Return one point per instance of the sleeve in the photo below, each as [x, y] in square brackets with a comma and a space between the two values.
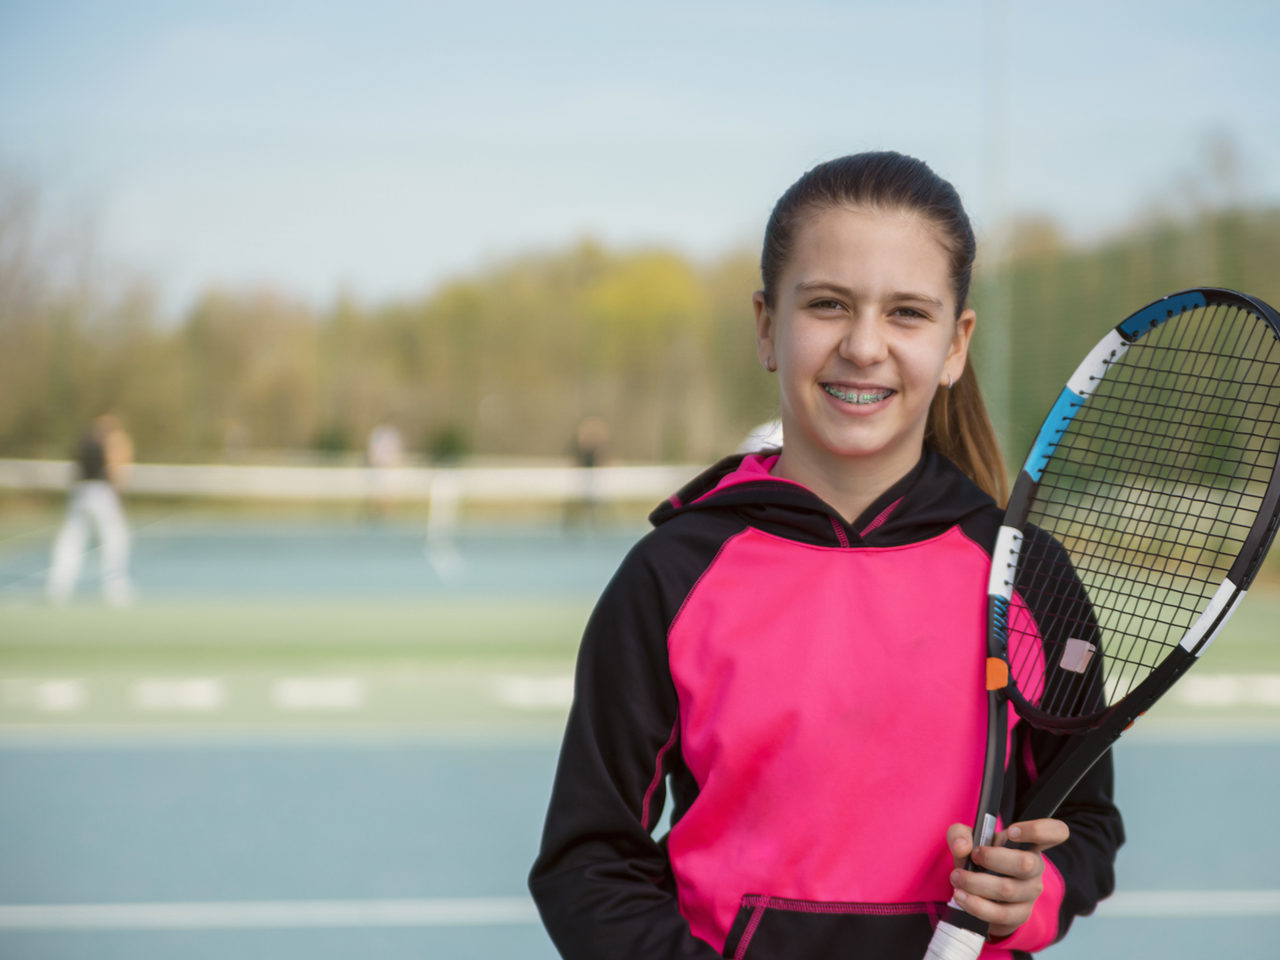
[1080, 872]
[602, 884]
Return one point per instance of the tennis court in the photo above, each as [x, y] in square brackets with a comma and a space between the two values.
[315, 737]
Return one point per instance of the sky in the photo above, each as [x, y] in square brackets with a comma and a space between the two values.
[380, 148]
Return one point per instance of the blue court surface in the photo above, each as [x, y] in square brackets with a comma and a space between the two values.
[244, 559]
[316, 739]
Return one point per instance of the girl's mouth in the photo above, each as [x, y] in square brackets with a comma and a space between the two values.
[858, 397]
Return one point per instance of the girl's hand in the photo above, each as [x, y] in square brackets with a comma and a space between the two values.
[1005, 896]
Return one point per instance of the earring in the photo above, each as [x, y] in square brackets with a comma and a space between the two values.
[949, 381]
[770, 365]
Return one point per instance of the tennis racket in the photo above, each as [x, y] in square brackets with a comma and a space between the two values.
[1143, 512]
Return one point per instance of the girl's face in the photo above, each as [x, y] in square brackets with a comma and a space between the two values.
[863, 332]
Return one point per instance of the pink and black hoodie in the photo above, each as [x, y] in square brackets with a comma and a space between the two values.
[813, 690]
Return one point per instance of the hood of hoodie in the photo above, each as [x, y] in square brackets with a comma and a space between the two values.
[933, 497]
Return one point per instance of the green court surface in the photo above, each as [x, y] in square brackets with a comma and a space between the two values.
[441, 662]
[306, 622]
[445, 663]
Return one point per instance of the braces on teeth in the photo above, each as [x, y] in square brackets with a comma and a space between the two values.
[856, 397]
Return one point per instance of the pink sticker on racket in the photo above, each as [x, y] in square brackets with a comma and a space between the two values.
[1077, 655]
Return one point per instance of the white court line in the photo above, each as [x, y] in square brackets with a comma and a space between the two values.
[1228, 690]
[202, 694]
[257, 914]
[530, 693]
[490, 911]
[1191, 903]
[319, 693]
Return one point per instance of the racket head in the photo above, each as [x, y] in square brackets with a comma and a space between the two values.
[1144, 509]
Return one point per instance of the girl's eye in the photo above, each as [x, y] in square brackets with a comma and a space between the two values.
[828, 305]
[907, 312]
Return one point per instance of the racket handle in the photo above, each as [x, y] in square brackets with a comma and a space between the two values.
[955, 937]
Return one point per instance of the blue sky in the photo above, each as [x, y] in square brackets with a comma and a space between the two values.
[381, 147]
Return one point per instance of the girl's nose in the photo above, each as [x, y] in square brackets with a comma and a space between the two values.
[864, 343]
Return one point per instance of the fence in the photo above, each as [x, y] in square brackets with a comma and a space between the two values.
[444, 489]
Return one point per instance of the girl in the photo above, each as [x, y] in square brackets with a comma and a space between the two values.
[799, 646]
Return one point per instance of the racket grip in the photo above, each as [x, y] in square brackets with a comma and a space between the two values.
[955, 937]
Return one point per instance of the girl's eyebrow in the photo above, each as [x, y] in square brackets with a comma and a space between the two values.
[823, 286]
[897, 296]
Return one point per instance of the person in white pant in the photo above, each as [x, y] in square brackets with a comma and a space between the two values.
[103, 461]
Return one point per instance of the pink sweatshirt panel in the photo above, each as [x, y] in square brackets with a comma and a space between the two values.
[818, 731]
[1029, 672]
[1026, 652]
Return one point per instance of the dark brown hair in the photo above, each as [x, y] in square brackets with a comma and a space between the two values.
[958, 424]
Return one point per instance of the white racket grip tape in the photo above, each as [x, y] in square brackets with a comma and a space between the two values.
[953, 943]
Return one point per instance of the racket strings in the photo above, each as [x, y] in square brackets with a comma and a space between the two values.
[1149, 497]
[1194, 406]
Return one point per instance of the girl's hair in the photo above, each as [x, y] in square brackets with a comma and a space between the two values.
[958, 424]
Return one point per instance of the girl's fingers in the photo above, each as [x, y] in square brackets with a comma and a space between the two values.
[998, 889]
[959, 842]
[1003, 917]
[1039, 834]
[1017, 864]
[1005, 895]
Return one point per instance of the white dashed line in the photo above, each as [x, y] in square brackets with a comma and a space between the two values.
[533, 693]
[206, 695]
[59, 696]
[198, 694]
[51, 696]
[1229, 690]
[319, 693]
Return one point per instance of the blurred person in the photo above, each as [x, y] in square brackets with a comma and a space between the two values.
[103, 459]
[385, 453]
[589, 440]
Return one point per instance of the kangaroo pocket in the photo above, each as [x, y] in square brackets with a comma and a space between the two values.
[773, 928]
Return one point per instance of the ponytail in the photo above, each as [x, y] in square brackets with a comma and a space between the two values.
[960, 429]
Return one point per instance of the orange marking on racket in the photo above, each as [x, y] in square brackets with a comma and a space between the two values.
[997, 673]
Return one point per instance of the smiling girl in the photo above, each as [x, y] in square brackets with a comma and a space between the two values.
[799, 647]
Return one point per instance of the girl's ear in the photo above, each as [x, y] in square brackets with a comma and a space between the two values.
[959, 352]
[764, 332]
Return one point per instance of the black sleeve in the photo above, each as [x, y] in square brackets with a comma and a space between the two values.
[1087, 859]
[1060, 604]
[602, 884]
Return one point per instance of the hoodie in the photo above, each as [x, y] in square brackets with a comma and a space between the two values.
[812, 691]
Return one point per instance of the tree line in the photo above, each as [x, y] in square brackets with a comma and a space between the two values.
[509, 360]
